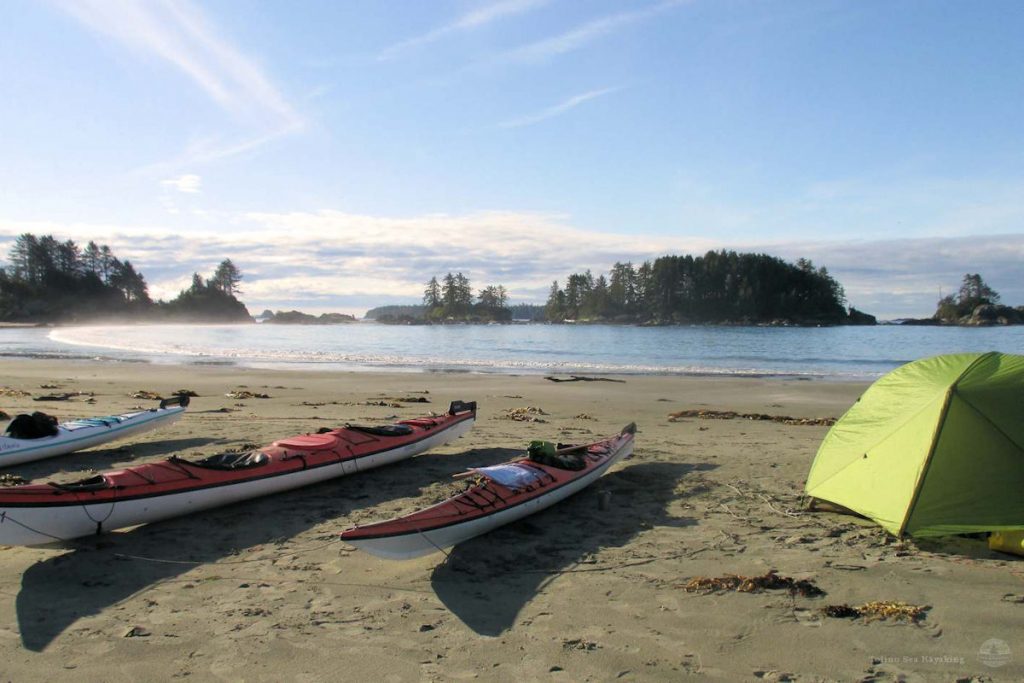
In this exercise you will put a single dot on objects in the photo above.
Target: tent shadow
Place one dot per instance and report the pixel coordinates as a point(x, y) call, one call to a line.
point(974, 547)
point(486, 581)
point(100, 571)
point(102, 458)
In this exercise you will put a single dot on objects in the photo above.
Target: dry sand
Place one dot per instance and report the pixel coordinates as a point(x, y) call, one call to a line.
point(264, 591)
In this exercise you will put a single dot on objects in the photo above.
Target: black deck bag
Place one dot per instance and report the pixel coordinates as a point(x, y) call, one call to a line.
point(34, 426)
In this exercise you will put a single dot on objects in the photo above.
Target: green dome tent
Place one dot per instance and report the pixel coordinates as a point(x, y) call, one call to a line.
point(935, 447)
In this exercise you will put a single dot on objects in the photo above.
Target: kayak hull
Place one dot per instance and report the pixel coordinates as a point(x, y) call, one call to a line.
point(80, 434)
point(73, 515)
point(407, 538)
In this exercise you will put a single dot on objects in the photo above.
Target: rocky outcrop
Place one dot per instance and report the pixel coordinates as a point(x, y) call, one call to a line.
point(299, 318)
point(993, 314)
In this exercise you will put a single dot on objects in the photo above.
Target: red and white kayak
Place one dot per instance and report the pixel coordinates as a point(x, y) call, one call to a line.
point(508, 492)
point(78, 434)
point(37, 514)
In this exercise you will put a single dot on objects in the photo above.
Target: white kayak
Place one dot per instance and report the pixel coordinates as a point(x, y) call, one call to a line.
point(78, 434)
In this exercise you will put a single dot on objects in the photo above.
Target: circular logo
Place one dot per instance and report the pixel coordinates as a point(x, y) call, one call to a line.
point(994, 652)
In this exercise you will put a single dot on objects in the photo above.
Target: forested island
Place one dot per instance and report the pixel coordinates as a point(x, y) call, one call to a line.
point(974, 305)
point(48, 281)
point(720, 287)
point(300, 318)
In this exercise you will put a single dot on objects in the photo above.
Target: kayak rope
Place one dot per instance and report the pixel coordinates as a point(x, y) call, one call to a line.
point(427, 539)
point(4, 517)
point(99, 522)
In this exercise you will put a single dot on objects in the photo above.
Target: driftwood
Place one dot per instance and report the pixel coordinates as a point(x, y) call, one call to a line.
point(579, 378)
point(731, 415)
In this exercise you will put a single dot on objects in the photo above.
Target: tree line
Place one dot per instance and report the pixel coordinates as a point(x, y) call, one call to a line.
point(452, 299)
point(718, 287)
point(46, 280)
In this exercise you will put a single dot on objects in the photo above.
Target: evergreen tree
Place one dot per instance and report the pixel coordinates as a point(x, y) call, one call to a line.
point(463, 294)
point(91, 258)
point(432, 294)
point(21, 257)
point(106, 264)
point(554, 309)
point(226, 278)
point(975, 292)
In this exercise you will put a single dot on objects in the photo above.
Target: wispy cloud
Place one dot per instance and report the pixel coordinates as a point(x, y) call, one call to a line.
point(586, 33)
point(474, 19)
point(177, 31)
point(208, 150)
point(556, 110)
point(188, 183)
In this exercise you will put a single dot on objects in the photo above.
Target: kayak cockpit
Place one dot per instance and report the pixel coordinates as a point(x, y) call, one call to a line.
point(96, 483)
point(229, 461)
point(383, 430)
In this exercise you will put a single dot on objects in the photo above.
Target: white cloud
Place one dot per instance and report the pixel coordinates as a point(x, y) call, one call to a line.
point(188, 183)
point(556, 110)
point(474, 19)
point(334, 260)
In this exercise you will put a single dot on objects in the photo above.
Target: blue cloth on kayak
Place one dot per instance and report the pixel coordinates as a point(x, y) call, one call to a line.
point(512, 476)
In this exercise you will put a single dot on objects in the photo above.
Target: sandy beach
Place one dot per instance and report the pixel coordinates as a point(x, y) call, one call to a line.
point(265, 590)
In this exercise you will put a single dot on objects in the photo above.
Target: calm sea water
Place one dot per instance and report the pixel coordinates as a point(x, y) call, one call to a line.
point(829, 352)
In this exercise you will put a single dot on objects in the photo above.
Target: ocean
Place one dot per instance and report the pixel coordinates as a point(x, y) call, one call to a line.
point(853, 353)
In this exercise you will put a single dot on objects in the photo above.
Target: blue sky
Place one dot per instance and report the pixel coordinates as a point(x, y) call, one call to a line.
point(343, 152)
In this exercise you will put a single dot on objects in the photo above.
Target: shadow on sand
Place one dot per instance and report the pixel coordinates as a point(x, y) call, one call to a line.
point(486, 581)
point(55, 593)
point(102, 459)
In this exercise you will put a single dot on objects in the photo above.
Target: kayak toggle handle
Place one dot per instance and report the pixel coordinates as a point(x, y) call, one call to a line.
point(179, 400)
point(461, 407)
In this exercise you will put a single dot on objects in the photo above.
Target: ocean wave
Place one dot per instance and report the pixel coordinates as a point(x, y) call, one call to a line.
point(478, 350)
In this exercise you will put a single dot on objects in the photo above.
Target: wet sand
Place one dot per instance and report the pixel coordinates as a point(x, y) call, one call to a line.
point(265, 591)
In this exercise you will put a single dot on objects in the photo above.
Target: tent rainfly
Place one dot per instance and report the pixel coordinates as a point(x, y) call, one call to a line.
point(935, 447)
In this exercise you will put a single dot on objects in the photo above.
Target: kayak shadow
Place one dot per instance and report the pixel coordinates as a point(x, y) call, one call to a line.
point(104, 458)
point(486, 581)
point(102, 571)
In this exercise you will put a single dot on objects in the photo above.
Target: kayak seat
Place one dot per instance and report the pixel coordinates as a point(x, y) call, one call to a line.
point(233, 461)
point(563, 461)
point(97, 483)
point(385, 430)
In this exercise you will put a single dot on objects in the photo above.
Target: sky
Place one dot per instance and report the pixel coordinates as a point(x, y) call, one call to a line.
point(343, 152)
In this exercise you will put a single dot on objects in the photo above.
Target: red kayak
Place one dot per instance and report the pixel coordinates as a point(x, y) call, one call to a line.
point(37, 514)
point(505, 493)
